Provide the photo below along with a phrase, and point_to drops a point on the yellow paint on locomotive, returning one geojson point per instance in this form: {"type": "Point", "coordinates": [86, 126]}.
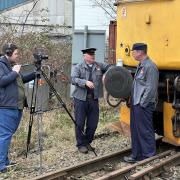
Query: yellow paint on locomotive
{"type": "Point", "coordinates": [155, 22]}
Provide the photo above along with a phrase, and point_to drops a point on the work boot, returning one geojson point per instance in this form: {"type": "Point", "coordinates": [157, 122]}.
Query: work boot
{"type": "Point", "coordinates": [83, 149]}
{"type": "Point", "coordinates": [129, 159]}
{"type": "Point", "coordinates": [90, 148]}
{"type": "Point", "coordinates": [11, 164]}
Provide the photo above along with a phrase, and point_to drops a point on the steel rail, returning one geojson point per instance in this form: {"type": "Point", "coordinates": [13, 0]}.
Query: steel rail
{"type": "Point", "coordinates": [85, 167]}
{"type": "Point", "coordinates": [157, 169]}
{"type": "Point", "coordinates": [125, 172]}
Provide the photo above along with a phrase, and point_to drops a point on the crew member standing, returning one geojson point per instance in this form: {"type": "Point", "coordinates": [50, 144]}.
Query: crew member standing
{"type": "Point", "coordinates": [143, 100]}
{"type": "Point", "coordinates": [87, 78]}
{"type": "Point", "coordinates": [12, 98]}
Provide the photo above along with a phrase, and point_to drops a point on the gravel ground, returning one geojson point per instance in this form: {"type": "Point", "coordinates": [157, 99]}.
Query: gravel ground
{"type": "Point", "coordinates": [59, 149]}
{"type": "Point", "coordinates": [172, 174]}
{"type": "Point", "coordinates": [64, 155]}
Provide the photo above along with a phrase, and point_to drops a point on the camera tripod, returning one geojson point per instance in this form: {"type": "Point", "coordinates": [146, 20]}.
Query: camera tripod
{"type": "Point", "coordinates": [33, 110]}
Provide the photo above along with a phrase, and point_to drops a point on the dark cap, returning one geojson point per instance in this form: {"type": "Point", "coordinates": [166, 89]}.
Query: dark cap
{"type": "Point", "coordinates": [90, 51]}
{"type": "Point", "coordinates": [139, 46]}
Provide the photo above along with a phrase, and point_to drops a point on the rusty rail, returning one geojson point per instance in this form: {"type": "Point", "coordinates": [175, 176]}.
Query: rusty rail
{"type": "Point", "coordinates": [102, 165]}
{"type": "Point", "coordinates": [85, 167]}
{"type": "Point", "coordinates": [126, 172]}
{"type": "Point", "coordinates": [157, 168]}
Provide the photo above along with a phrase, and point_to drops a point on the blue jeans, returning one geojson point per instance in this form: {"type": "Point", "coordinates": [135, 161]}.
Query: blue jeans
{"type": "Point", "coordinates": [9, 122]}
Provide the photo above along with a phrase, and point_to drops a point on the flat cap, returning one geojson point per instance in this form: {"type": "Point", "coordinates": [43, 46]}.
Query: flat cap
{"type": "Point", "coordinates": [90, 51]}
{"type": "Point", "coordinates": [139, 46]}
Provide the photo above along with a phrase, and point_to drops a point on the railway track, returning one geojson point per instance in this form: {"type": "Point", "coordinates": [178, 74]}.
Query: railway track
{"type": "Point", "coordinates": [87, 167]}
{"type": "Point", "coordinates": [147, 169]}
{"type": "Point", "coordinates": [112, 167]}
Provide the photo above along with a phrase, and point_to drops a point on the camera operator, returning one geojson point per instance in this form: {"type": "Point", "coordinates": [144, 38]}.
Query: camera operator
{"type": "Point", "coordinates": [12, 99]}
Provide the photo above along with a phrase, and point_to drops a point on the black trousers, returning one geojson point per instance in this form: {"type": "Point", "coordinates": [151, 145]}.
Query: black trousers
{"type": "Point", "coordinates": [86, 117]}
{"type": "Point", "coordinates": [142, 131]}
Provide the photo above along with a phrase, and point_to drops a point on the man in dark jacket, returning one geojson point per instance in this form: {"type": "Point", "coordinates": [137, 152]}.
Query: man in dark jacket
{"type": "Point", "coordinates": [87, 78]}
{"type": "Point", "coordinates": [12, 97]}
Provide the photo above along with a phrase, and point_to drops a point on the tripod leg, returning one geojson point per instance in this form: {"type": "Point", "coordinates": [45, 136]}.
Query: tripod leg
{"type": "Point", "coordinates": [38, 106]}
{"type": "Point", "coordinates": [32, 110]}
{"type": "Point", "coordinates": [39, 119]}
{"type": "Point", "coordinates": [29, 134]}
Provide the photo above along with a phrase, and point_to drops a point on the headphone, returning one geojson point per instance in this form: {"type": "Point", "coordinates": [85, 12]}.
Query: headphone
{"type": "Point", "coordinates": [9, 50]}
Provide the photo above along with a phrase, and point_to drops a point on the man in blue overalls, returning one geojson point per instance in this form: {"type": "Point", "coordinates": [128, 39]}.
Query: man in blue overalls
{"type": "Point", "coordinates": [143, 99]}
{"type": "Point", "coordinates": [87, 78]}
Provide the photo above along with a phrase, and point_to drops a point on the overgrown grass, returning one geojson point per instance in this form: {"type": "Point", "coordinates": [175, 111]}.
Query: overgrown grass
{"type": "Point", "coordinates": [57, 127]}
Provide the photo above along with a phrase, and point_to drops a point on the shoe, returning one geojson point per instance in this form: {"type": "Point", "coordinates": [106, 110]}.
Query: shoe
{"type": "Point", "coordinates": [3, 170]}
{"type": "Point", "coordinates": [11, 164]}
{"type": "Point", "coordinates": [83, 149]}
{"type": "Point", "coordinates": [90, 148]}
{"type": "Point", "coordinates": [129, 159]}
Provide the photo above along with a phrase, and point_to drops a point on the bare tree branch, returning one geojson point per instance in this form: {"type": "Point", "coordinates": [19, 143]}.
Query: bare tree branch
{"type": "Point", "coordinates": [106, 5]}
{"type": "Point", "coordinates": [104, 8]}
{"type": "Point", "coordinates": [28, 16]}
{"type": "Point", "coordinates": [110, 5]}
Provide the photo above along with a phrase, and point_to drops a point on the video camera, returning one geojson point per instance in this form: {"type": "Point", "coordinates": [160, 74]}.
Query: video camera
{"type": "Point", "coordinates": [39, 57]}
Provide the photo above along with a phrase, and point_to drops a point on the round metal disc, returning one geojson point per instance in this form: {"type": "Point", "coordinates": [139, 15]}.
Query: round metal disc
{"type": "Point", "coordinates": [177, 83]}
{"type": "Point", "coordinates": [118, 82]}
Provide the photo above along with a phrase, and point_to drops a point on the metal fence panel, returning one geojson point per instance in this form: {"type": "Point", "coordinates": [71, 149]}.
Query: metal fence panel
{"type": "Point", "coordinates": [41, 90]}
{"type": "Point", "coordinates": [4, 4]}
{"type": "Point", "coordinates": [85, 39]}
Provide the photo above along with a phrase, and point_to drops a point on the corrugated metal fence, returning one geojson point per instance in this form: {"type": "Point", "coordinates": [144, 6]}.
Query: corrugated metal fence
{"type": "Point", "coordinates": [5, 4]}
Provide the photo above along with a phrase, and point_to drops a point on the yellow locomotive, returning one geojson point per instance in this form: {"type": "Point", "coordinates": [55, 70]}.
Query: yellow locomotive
{"type": "Point", "coordinates": [156, 23]}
